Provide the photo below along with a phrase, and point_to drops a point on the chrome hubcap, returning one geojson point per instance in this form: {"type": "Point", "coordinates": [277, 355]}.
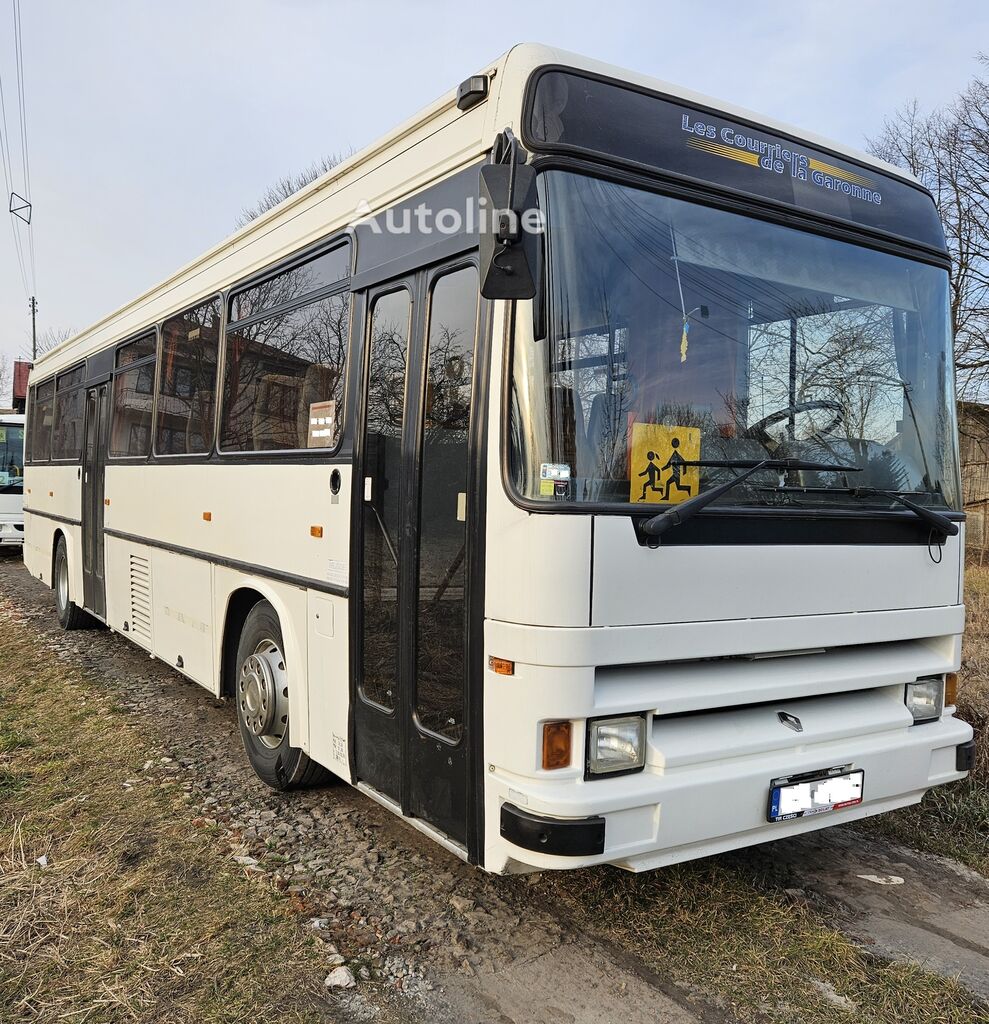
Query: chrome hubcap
{"type": "Point", "coordinates": [262, 693]}
{"type": "Point", "coordinates": [62, 584]}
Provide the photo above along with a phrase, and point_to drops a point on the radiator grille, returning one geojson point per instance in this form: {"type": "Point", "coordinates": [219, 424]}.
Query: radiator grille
{"type": "Point", "coordinates": [140, 599]}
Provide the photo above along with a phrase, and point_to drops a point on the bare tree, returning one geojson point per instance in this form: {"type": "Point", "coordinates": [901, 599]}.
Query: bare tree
{"type": "Point", "coordinates": [288, 186]}
{"type": "Point", "coordinates": [49, 338]}
{"type": "Point", "coordinates": [948, 150]}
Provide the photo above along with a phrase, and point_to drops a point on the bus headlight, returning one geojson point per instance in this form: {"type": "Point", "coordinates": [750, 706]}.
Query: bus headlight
{"type": "Point", "coordinates": [925, 699]}
{"type": "Point", "coordinates": [616, 745]}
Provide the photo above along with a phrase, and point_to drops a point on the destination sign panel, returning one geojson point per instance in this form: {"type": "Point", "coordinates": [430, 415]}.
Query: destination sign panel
{"type": "Point", "coordinates": [571, 112]}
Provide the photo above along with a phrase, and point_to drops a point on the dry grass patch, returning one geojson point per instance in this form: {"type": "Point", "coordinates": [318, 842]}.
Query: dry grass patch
{"type": "Point", "coordinates": [717, 926]}
{"type": "Point", "coordinates": [137, 915]}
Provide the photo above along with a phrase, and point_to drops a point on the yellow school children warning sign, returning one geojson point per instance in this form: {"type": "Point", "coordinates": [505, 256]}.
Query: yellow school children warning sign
{"type": "Point", "coordinates": [658, 455]}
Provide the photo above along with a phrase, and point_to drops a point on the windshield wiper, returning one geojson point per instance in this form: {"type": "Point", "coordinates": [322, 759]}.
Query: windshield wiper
{"type": "Point", "coordinates": [936, 519]}
{"type": "Point", "coordinates": [658, 525]}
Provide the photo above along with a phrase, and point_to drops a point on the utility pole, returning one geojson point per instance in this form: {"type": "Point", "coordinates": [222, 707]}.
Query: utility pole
{"type": "Point", "coordinates": [34, 329]}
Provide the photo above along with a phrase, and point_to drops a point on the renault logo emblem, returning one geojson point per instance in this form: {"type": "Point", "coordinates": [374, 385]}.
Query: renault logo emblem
{"type": "Point", "coordinates": [790, 721]}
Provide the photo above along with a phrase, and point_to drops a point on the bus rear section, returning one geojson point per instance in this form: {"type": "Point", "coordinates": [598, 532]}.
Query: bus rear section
{"type": "Point", "coordinates": [11, 480]}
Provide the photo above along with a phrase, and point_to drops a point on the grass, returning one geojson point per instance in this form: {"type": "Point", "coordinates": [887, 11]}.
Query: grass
{"type": "Point", "coordinates": [954, 820]}
{"type": "Point", "coordinates": [139, 914]}
{"type": "Point", "coordinates": [716, 926]}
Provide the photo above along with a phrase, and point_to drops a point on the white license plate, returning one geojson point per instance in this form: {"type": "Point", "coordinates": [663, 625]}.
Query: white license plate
{"type": "Point", "coordinates": [798, 796]}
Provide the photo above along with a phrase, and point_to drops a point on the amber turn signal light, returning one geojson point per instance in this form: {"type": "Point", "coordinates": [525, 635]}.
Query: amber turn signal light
{"type": "Point", "coordinates": [950, 689]}
{"type": "Point", "coordinates": [315, 531]}
{"type": "Point", "coordinates": [501, 666]}
{"type": "Point", "coordinates": [556, 745]}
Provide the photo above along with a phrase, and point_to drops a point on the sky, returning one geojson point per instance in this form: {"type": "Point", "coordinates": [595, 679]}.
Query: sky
{"type": "Point", "coordinates": [152, 125]}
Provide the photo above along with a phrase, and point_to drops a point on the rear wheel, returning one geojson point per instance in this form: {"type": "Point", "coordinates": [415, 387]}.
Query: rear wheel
{"type": "Point", "coordinates": [70, 615]}
{"type": "Point", "coordinates": [261, 689]}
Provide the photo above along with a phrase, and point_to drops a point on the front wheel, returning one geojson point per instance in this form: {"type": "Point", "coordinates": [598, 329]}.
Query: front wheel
{"type": "Point", "coordinates": [261, 691]}
{"type": "Point", "coordinates": [70, 615]}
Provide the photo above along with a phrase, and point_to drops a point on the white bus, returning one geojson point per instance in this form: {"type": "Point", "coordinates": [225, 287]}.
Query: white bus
{"type": "Point", "coordinates": [629, 540]}
{"type": "Point", "coordinates": [11, 479]}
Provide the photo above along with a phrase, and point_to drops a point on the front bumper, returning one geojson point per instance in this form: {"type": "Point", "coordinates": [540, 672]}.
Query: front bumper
{"type": "Point", "coordinates": [11, 533]}
{"type": "Point", "coordinates": [668, 814]}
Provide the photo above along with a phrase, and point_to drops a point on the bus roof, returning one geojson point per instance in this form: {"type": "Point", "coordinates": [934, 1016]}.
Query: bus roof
{"type": "Point", "coordinates": [433, 143]}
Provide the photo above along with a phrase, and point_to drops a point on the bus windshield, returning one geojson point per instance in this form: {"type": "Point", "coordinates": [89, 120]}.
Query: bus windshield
{"type": "Point", "coordinates": [678, 335]}
{"type": "Point", "coordinates": [11, 459]}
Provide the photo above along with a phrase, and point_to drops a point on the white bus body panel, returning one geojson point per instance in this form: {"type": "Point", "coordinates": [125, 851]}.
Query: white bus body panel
{"type": "Point", "coordinates": [55, 491]}
{"type": "Point", "coordinates": [634, 585]}
{"type": "Point", "coordinates": [706, 782]}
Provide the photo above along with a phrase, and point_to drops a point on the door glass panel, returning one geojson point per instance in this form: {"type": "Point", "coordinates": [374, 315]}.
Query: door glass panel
{"type": "Point", "coordinates": [441, 661]}
{"type": "Point", "coordinates": [389, 343]}
{"type": "Point", "coordinates": [92, 432]}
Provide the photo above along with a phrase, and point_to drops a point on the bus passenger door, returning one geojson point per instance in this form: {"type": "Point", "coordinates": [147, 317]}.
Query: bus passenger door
{"type": "Point", "coordinates": [411, 664]}
{"type": "Point", "coordinates": [380, 491]}
{"type": "Point", "coordinates": [93, 471]}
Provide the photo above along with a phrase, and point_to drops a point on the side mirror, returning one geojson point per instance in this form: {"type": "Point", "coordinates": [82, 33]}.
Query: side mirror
{"type": "Point", "coordinates": [509, 247]}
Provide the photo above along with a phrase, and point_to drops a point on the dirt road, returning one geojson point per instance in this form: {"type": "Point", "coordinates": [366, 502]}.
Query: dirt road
{"type": "Point", "coordinates": [449, 943]}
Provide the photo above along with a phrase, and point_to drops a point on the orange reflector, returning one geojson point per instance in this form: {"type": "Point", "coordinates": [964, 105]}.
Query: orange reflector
{"type": "Point", "coordinates": [51, 494]}
{"type": "Point", "coordinates": [950, 689]}
{"type": "Point", "coordinates": [315, 531]}
{"type": "Point", "coordinates": [556, 745]}
{"type": "Point", "coordinates": [207, 517]}
{"type": "Point", "coordinates": [106, 501]}
{"type": "Point", "coordinates": [501, 666]}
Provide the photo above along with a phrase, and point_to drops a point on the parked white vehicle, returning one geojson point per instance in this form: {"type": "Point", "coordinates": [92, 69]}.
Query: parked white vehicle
{"type": "Point", "coordinates": [11, 479]}
{"type": "Point", "coordinates": [631, 540]}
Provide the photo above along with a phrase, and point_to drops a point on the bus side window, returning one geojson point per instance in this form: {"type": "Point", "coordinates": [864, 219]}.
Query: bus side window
{"type": "Point", "coordinates": [187, 388]}
{"type": "Point", "coordinates": [41, 421]}
{"type": "Point", "coordinates": [68, 415]}
{"type": "Point", "coordinates": [286, 355]}
{"type": "Point", "coordinates": [133, 398]}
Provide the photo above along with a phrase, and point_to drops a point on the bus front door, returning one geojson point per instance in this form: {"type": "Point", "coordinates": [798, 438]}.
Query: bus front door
{"type": "Point", "coordinates": [411, 576]}
{"type": "Point", "coordinates": [93, 472]}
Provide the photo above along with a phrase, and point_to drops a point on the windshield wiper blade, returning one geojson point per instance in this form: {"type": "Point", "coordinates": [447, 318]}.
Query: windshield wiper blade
{"type": "Point", "coordinates": [678, 514]}
{"type": "Point", "coordinates": [938, 521]}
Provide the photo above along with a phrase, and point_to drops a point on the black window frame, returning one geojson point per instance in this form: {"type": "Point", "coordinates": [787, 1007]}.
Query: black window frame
{"type": "Point", "coordinates": [32, 422]}
{"type": "Point", "coordinates": [59, 391]}
{"type": "Point", "coordinates": [224, 296]}
{"type": "Point", "coordinates": [709, 526]}
{"type": "Point", "coordinates": [341, 287]}
{"type": "Point", "coordinates": [137, 364]}
{"type": "Point", "coordinates": [220, 296]}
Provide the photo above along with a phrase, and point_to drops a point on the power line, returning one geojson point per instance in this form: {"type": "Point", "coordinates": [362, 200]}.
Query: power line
{"type": "Point", "coordinates": [6, 159]}
{"type": "Point", "coordinates": [8, 174]}
{"type": "Point", "coordinates": [4, 141]}
{"type": "Point", "coordinates": [22, 110]}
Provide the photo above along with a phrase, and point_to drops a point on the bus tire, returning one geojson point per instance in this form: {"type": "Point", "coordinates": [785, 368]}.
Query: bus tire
{"type": "Point", "coordinates": [261, 695]}
{"type": "Point", "coordinates": [70, 615]}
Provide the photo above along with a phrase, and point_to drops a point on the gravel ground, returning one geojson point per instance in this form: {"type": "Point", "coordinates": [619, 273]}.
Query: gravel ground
{"type": "Point", "coordinates": [443, 939]}
{"type": "Point", "coordinates": [401, 911]}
